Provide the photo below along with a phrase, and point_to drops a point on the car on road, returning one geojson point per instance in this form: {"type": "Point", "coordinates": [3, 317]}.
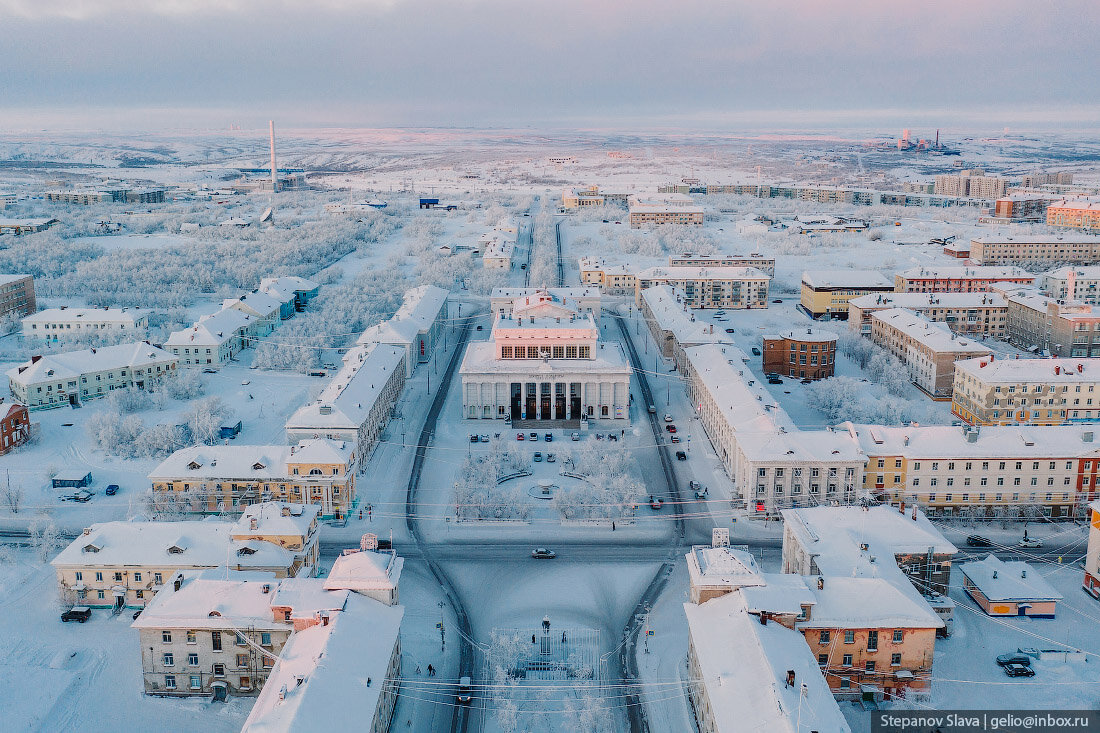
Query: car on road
{"type": "Point", "coordinates": [655, 503]}
{"type": "Point", "coordinates": [1019, 670]}
{"type": "Point", "coordinates": [698, 489]}
{"type": "Point", "coordinates": [574, 436]}
{"type": "Point", "coordinates": [537, 458]}
{"type": "Point", "coordinates": [111, 489]}
{"type": "Point", "coordinates": [681, 456]}
{"type": "Point", "coordinates": [208, 370]}
{"type": "Point", "coordinates": [464, 683]}
{"type": "Point", "coordinates": [652, 410]}
{"type": "Point", "coordinates": [668, 418]}
{"type": "Point", "coordinates": [473, 437]}
{"type": "Point", "coordinates": [483, 438]}
{"type": "Point", "coordinates": [541, 553]}
{"type": "Point", "coordinates": [519, 436]}
{"type": "Point", "coordinates": [480, 327]}
{"type": "Point", "coordinates": [533, 436]}
{"type": "Point", "coordinates": [549, 437]}
{"type": "Point", "coordinates": [730, 330]}
{"type": "Point", "coordinates": [778, 300]}
{"type": "Point", "coordinates": [599, 436]}
{"type": "Point", "coordinates": [774, 380]}
{"type": "Point", "coordinates": [755, 351]}
{"type": "Point", "coordinates": [77, 613]}
{"type": "Point", "coordinates": [612, 436]}
{"type": "Point", "coordinates": [1016, 658]}
{"type": "Point", "coordinates": [551, 458]}
{"type": "Point", "coordinates": [670, 428]}
{"type": "Point", "coordinates": [83, 495]}
{"type": "Point", "coordinates": [976, 540]}
{"type": "Point", "coordinates": [1029, 543]}
{"type": "Point", "coordinates": [675, 439]}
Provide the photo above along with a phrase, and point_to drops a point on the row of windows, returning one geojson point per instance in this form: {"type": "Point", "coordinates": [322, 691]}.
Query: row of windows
{"type": "Point", "coordinates": [872, 637]}
{"type": "Point", "coordinates": [997, 497]}
{"type": "Point", "coordinates": [537, 352]}
{"type": "Point", "coordinates": [118, 577]}
{"type": "Point", "coordinates": [868, 666]}
{"type": "Point", "coordinates": [985, 465]}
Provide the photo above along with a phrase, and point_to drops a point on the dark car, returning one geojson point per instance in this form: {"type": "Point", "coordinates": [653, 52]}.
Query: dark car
{"type": "Point", "coordinates": [655, 503]}
{"type": "Point", "coordinates": [778, 300]}
{"type": "Point", "coordinates": [681, 456]}
{"type": "Point", "coordinates": [729, 330]}
{"type": "Point", "coordinates": [541, 553]}
{"type": "Point", "coordinates": [976, 540]}
{"type": "Point", "coordinates": [755, 351]}
{"type": "Point", "coordinates": [612, 436]}
{"type": "Point", "coordinates": [473, 438]}
{"type": "Point", "coordinates": [111, 489]}
{"type": "Point", "coordinates": [138, 613]}
{"type": "Point", "coordinates": [775, 380]}
{"type": "Point", "coordinates": [479, 328]}
{"type": "Point", "coordinates": [464, 683]}
{"type": "Point", "coordinates": [549, 437]}
{"type": "Point", "coordinates": [1019, 670]}
{"type": "Point", "coordinates": [77, 613]}
{"type": "Point", "coordinates": [1006, 659]}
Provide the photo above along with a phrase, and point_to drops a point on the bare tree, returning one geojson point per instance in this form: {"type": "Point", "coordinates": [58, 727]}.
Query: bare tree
{"type": "Point", "coordinates": [13, 495]}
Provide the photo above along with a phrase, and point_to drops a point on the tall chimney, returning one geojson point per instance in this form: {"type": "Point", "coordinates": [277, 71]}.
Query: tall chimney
{"type": "Point", "coordinates": [274, 175]}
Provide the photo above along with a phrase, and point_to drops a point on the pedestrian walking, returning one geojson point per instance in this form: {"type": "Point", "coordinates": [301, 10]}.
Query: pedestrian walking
{"type": "Point", "coordinates": [418, 669]}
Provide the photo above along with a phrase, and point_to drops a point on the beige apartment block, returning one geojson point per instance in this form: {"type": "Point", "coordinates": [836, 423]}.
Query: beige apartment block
{"type": "Point", "coordinates": [709, 287]}
{"type": "Point", "coordinates": [990, 391]}
{"type": "Point", "coordinates": [1019, 249]}
{"type": "Point", "coordinates": [972, 314]}
{"type": "Point", "coordinates": [958, 278]}
{"type": "Point", "coordinates": [928, 350]}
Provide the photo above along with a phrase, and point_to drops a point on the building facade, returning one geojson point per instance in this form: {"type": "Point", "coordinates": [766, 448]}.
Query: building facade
{"type": "Point", "coordinates": [1091, 582]}
{"type": "Point", "coordinates": [991, 391]}
{"type": "Point", "coordinates": [1019, 249]}
{"type": "Point", "coordinates": [17, 295]}
{"type": "Point", "coordinates": [764, 264]}
{"type": "Point", "coordinates": [809, 355]}
{"type": "Point", "coordinates": [1080, 284]}
{"type": "Point", "coordinates": [958, 278]}
{"type": "Point", "coordinates": [972, 314]}
{"type": "Point", "coordinates": [1052, 327]}
{"type": "Point", "coordinates": [56, 324]}
{"type": "Point", "coordinates": [709, 287]}
{"type": "Point", "coordinates": [611, 279]}
{"type": "Point", "coordinates": [15, 427]}
{"type": "Point", "coordinates": [928, 350]}
{"type": "Point", "coordinates": [1078, 213]}
{"type": "Point", "coordinates": [825, 294]}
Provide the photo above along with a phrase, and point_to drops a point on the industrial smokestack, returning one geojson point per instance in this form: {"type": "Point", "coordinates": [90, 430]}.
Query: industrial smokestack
{"type": "Point", "coordinates": [274, 174]}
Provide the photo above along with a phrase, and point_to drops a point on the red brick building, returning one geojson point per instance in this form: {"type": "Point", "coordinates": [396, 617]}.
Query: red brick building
{"type": "Point", "coordinates": [15, 428]}
{"type": "Point", "coordinates": [802, 355]}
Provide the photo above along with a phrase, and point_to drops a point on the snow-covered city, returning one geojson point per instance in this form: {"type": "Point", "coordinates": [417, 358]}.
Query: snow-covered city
{"type": "Point", "coordinates": [556, 422]}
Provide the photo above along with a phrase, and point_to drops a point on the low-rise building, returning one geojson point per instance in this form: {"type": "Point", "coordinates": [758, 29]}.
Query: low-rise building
{"type": "Point", "coordinates": [356, 404]}
{"type": "Point", "coordinates": [418, 326]}
{"type": "Point", "coordinates": [656, 209]}
{"type": "Point", "coordinates": [673, 325]}
{"type": "Point", "coordinates": [214, 340]}
{"type": "Point", "coordinates": [17, 295]}
{"type": "Point", "coordinates": [1079, 284]}
{"type": "Point", "coordinates": [760, 262]}
{"type": "Point", "coordinates": [928, 350]}
{"type": "Point", "coordinates": [545, 302]}
{"type": "Point", "coordinates": [580, 197]}
{"type": "Point", "coordinates": [1091, 582]}
{"type": "Point", "coordinates": [1077, 213]}
{"type": "Point", "coordinates": [709, 287]}
{"type": "Point", "coordinates": [801, 355]}
{"type": "Point", "coordinates": [611, 279]}
{"type": "Point", "coordinates": [26, 226]}
{"type": "Point", "coordinates": [1009, 588]}
{"type": "Point", "coordinates": [265, 308]}
{"type": "Point", "coordinates": [958, 278]}
{"type": "Point", "coordinates": [1049, 326]}
{"type": "Point", "coordinates": [15, 427]}
{"type": "Point", "coordinates": [1035, 248]}
{"type": "Point", "coordinates": [372, 573]}
{"type": "Point", "coordinates": [57, 324]}
{"type": "Point", "coordinates": [229, 478]}
{"type": "Point", "coordinates": [991, 391]}
{"type": "Point", "coordinates": [74, 377]}
{"type": "Point", "coordinates": [972, 314]}
{"type": "Point", "coordinates": [304, 290]}
{"type": "Point", "coordinates": [497, 250]}
{"type": "Point", "coordinates": [825, 293]}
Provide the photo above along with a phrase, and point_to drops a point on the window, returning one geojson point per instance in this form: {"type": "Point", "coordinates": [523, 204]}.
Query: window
{"type": "Point", "coordinates": [870, 665]}
{"type": "Point", "coordinates": [169, 659]}
{"type": "Point", "coordinates": [158, 579]}
{"type": "Point", "coordinates": [849, 636]}
{"type": "Point", "coordinates": [219, 670]}
{"type": "Point", "coordinates": [823, 659]}
{"type": "Point", "coordinates": [895, 660]}
{"type": "Point", "coordinates": [118, 577]}
{"type": "Point", "coordinates": [845, 683]}
{"type": "Point", "coordinates": [824, 637]}
{"type": "Point", "coordinates": [99, 595]}
{"type": "Point", "coordinates": [166, 637]}
{"type": "Point", "coordinates": [79, 575]}
{"type": "Point", "coordinates": [216, 640]}
{"type": "Point", "coordinates": [99, 576]}
{"type": "Point", "coordinates": [196, 682]}
{"type": "Point", "coordinates": [190, 637]}
{"type": "Point", "coordinates": [240, 640]}
{"type": "Point", "coordinates": [847, 660]}
{"type": "Point", "coordinates": [872, 640]}
{"type": "Point", "coordinates": [192, 660]}
{"type": "Point", "coordinates": [137, 577]}
{"type": "Point", "coordinates": [897, 636]}
{"type": "Point", "coordinates": [169, 682]}
{"type": "Point", "coordinates": [139, 593]}
{"type": "Point", "coordinates": [242, 660]}
{"type": "Point", "coordinates": [265, 638]}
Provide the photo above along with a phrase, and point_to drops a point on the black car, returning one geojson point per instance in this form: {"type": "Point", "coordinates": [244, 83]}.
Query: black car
{"type": "Point", "coordinates": [1019, 670]}
{"type": "Point", "coordinates": [1006, 659]}
{"type": "Point", "coordinates": [976, 540]}
{"type": "Point", "coordinates": [729, 330]}
{"type": "Point", "coordinates": [681, 456]}
{"type": "Point", "coordinates": [111, 490]}
{"type": "Point", "coordinates": [775, 380]}
{"type": "Point", "coordinates": [77, 613]}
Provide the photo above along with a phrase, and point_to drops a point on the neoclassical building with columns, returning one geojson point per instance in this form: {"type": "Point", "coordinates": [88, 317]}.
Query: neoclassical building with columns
{"type": "Point", "coordinates": [551, 366]}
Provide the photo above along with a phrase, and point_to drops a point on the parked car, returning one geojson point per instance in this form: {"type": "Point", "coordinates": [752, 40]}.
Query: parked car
{"type": "Point", "coordinates": [533, 436]}
{"type": "Point", "coordinates": [698, 489]}
{"type": "Point", "coordinates": [551, 458]}
{"type": "Point", "coordinates": [675, 438]}
{"type": "Point", "coordinates": [1016, 658]}
{"type": "Point", "coordinates": [730, 330]}
{"type": "Point", "coordinates": [81, 495]}
{"type": "Point", "coordinates": [668, 418]}
{"type": "Point", "coordinates": [778, 300]}
{"type": "Point", "coordinates": [473, 437]}
{"type": "Point", "coordinates": [208, 370]}
{"type": "Point", "coordinates": [774, 380]}
{"type": "Point", "coordinates": [655, 503]}
{"type": "Point", "coordinates": [549, 437]}
{"type": "Point", "coordinates": [681, 456]}
{"type": "Point", "coordinates": [111, 489]}
{"type": "Point", "coordinates": [755, 351]}
{"type": "Point", "coordinates": [483, 438]}
{"type": "Point", "coordinates": [479, 328]}
{"type": "Point", "coordinates": [1019, 670]}
{"type": "Point", "coordinates": [612, 436]}
{"type": "Point", "coordinates": [464, 683]}
{"type": "Point", "coordinates": [541, 553]}
{"type": "Point", "coordinates": [807, 381]}
{"type": "Point", "coordinates": [574, 436]}
{"type": "Point", "coordinates": [537, 458]}
{"type": "Point", "coordinates": [976, 540]}
{"type": "Point", "coordinates": [1029, 543]}
{"type": "Point", "coordinates": [77, 613]}
{"type": "Point", "coordinates": [670, 428]}
{"type": "Point", "coordinates": [519, 436]}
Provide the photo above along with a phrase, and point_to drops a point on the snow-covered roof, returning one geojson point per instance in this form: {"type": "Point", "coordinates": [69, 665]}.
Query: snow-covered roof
{"type": "Point", "coordinates": [723, 566]}
{"type": "Point", "coordinates": [668, 311]}
{"type": "Point", "coordinates": [1047, 371]}
{"type": "Point", "coordinates": [598, 263]}
{"type": "Point", "coordinates": [244, 462]}
{"type": "Point", "coordinates": [800, 446]}
{"type": "Point", "coordinates": [1008, 581]}
{"type": "Point", "coordinates": [320, 681]}
{"type": "Point", "coordinates": [348, 398]}
{"type": "Point", "coordinates": [809, 335]}
{"type": "Point", "coordinates": [743, 666]}
{"type": "Point", "coordinates": [71, 364]}
{"type": "Point", "coordinates": [420, 309]}
{"type": "Point", "coordinates": [88, 315]}
{"type": "Point", "coordinates": [657, 208]}
{"type": "Point", "coordinates": [510, 326]}
{"type": "Point", "coordinates": [366, 570]}
{"type": "Point", "coordinates": [277, 517]}
{"type": "Point", "coordinates": [986, 442]}
{"type": "Point", "coordinates": [1085, 272]}
{"type": "Point", "coordinates": [860, 603]}
{"type": "Point", "coordinates": [688, 272]}
{"type": "Point", "coordinates": [480, 358]}
{"type": "Point", "coordinates": [150, 544]}
{"type": "Point", "coordinates": [208, 603]}
{"type": "Point", "coordinates": [834, 534]}
{"type": "Point", "coordinates": [6, 279]}
{"type": "Point", "coordinates": [291, 282]}
{"type": "Point", "coordinates": [967, 272]}
{"type": "Point", "coordinates": [935, 335]}
{"type": "Point", "coordinates": [920, 301]}
{"type": "Point", "coordinates": [305, 597]}
{"type": "Point", "coordinates": [721, 370]}
{"type": "Point", "coordinates": [782, 593]}
{"type": "Point", "coordinates": [574, 293]}
{"type": "Point", "coordinates": [1038, 238]}
{"type": "Point", "coordinates": [212, 330]}
{"type": "Point", "coordinates": [260, 302]}
{"type": "Point", "coordinates": [848, 279]}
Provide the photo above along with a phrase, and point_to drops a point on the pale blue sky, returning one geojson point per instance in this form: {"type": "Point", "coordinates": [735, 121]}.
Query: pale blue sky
{"type": "Point", "coordinates": [528, 62]}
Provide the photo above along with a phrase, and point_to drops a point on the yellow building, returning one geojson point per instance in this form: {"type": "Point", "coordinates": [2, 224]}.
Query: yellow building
{"type": "Point", "coordinates": [610, 279]}
{"type": "Point", "coordinates": [826, 293]}
{"type": "Point", "coordinates": [1026, 391]}
{"type": "Point", "coordinates": [1079, 213]}
{"type": "Point", "coordinates": [227, 478]}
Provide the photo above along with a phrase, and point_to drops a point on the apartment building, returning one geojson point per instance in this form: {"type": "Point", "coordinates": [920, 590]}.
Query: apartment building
{"type": "Point", "coordinates": [1091, 582]}
{"type": "Point", "coordinates": [826, 293]}
{"type": "Point", "coordinates": [74, 377]}
{"type": "Point", "coordinates": [356, 404]}
{"type": "Point", "coordinates": [653, 215]}
{"type": "Point", "coordinates": [227, 479]}
{"type": "Point", "coordinates": [958, 278]}
{"type": "Point", "coordinates": [1027, 391]}
{"type": "Point", "coordinates": [1000, 471]}
{"type": "Point", "coordinates": [26, 226]}
{"type": "Point", "coordinates": [265, 308]}
{"type": "Point", "coordinates": [1077, 213]}
{"type": "Point", "coordinates": [673, 325]}
{"type": "Point", "coordinates": [1080, 284]}
{"type": "Point", "coordinates": [709, 287]}
{"type": "Point", "coordinates": [972, 183]}
{"type": "Point", "coordinates": [580, 197]}
{"type": "Point", "coordinates": [304, 290]}
{"type": "Point", "coordinates": [15, 427]}
{"type": "Point", "coordinates": [687, 259]}
{"type": "Point", "coordinates": [419, 326]}
{"type": "Point", "coordinates": [214, 341]}
{"type": "Point", "coordinates": [611, 279]}
{"type": "Point", "coordinates": [17, 295]}
{"type": "Point", "coordinates": [1022, 207]}
{"type": "Point", "coordinates": [973, 314]}
{"type": "Point", "coordinates": [57, 324]}
{"type": "Point", "coordinates": [1044, 325]}
{"type": "Point", "coordinates": [928, 350]}
{"type": "Point", "coordinates": [1035, 180]}
{"type": "Point", "coordinates": [1038, 248]}
{"type": "Point", "coordinates": [809, 354]}
{"type": "Point", "coordinates": [117, 564]}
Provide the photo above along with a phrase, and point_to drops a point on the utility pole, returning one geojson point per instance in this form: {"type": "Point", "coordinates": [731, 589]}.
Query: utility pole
{"type": "Point", "coordinates": [442, 628]}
